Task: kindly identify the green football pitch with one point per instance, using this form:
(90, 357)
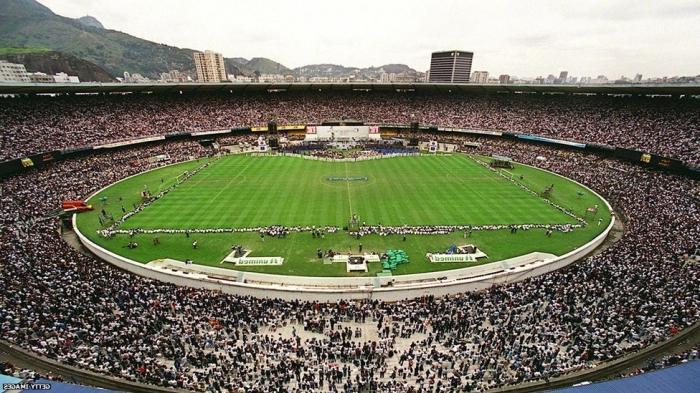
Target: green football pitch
(247, 191)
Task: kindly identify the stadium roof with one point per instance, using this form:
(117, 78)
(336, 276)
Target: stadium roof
(57, 88)
(683, 378)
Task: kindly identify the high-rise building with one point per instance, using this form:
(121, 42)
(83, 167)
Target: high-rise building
(504, 79)
(638, 78)
(210, 66)
(563, 76)
(11, 72)
(452, 66)
(479, 77)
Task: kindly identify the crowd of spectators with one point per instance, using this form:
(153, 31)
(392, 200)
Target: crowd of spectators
(272, 230)
(668, 360)
(665, 126)
(351, 150)
(363, 153)
(384, 230)
(68, 306)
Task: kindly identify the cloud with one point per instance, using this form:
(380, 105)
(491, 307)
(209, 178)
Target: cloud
(690, 10)
(627, 10)
(530, 38)
(534, 39)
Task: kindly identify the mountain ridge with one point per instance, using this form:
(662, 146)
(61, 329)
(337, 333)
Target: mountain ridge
(52, 62)
(336, 70)
(28, 23)
(90, 21)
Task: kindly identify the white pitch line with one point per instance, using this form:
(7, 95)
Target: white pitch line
(348, 183)
(225, 188)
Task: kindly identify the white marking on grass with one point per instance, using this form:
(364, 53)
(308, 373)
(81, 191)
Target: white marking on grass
(348, 183)
(225, 188)
(462, 179)
(527, 190)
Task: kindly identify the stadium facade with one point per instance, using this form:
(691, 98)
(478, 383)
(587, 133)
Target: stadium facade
(589, 321)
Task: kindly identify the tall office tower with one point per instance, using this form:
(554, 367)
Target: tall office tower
(504, 79)
(452, 66)
(210, 66)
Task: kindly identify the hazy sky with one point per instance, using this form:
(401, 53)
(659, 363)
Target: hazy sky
(523, 38)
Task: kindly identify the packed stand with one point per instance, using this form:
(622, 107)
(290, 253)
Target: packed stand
(665, 126)
(70, 307)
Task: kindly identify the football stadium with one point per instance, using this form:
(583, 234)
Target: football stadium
(319, 232)
(345, 232)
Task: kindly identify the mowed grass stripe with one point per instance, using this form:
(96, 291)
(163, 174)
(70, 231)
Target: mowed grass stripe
(485, 195)
(240, 191)
(266, 201)
(198, 194)
(523, 202)
(472, 190)
(209, 196)
(436, 194)
(455, 186)
(301, 173)
(406, 187)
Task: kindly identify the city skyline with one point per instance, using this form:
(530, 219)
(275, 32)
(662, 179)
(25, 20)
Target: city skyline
(611, 38)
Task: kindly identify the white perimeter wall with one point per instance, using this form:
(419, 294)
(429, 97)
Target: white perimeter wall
(307, 288)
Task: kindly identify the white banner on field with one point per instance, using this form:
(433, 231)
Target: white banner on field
(449, 258)
(342, 133)
(257, 261)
